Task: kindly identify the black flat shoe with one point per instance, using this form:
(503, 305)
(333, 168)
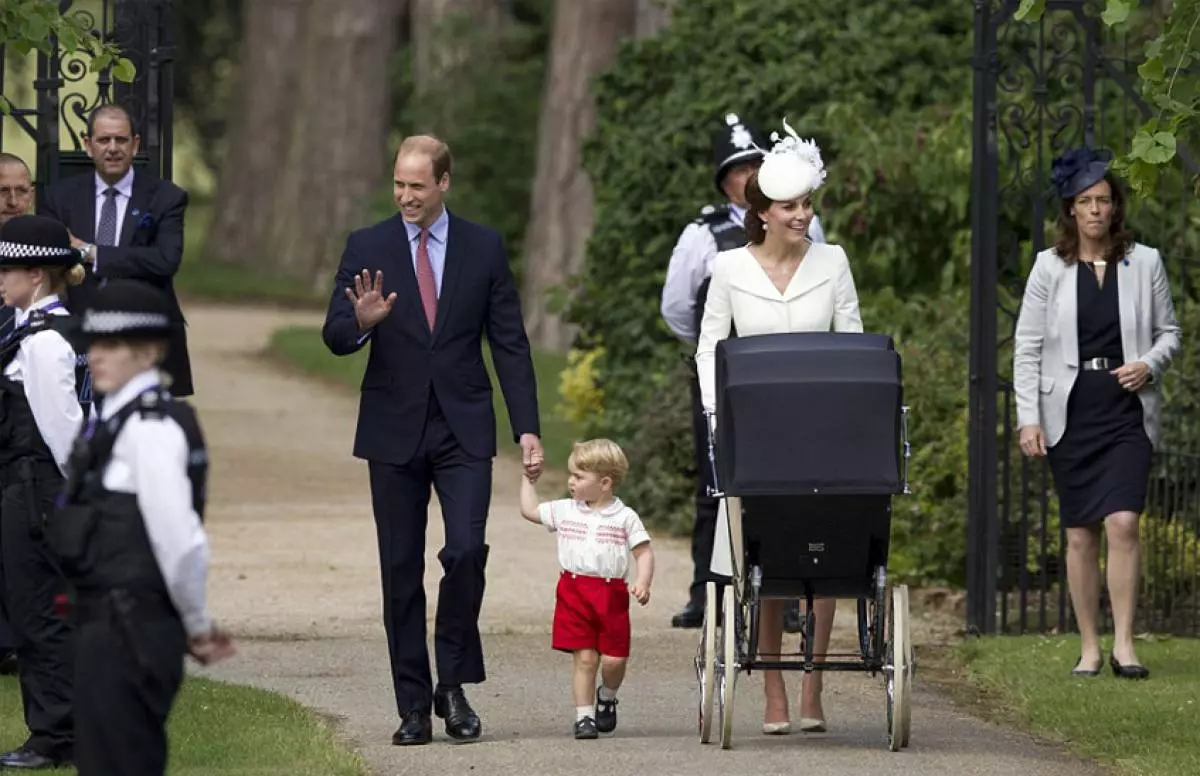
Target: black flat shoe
(29, 760)
(585, 729)
(462, 723)
(415, 729)
(1131, 671)
(690, 616)
(1077, 671)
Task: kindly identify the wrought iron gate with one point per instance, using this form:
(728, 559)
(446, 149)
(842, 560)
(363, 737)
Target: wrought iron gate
(1039, 89)
(53, 112)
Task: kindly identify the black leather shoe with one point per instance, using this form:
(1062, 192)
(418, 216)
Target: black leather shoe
(793, 621)
(29, 760)
(690, 616)
(1129, 671)
(415, 729)
(462, 723)
(8, 663)
(585, 729)
(1077, 671)
(606, 714)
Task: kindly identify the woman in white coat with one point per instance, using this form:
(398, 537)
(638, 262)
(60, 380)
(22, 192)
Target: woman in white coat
(780, 282)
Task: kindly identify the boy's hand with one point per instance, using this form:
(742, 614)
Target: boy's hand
(212, 647)
(642, 594)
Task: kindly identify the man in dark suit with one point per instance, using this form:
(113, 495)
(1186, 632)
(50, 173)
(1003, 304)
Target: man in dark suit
(424, 287)
(126, 224)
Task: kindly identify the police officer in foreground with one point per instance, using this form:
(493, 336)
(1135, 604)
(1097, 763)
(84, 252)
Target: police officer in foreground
(129, 534)
(720, 227)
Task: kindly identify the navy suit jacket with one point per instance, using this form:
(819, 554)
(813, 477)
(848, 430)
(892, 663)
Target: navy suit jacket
(150, 249)
(408, 364)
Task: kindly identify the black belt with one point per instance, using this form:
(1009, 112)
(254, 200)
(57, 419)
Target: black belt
(1100, 364)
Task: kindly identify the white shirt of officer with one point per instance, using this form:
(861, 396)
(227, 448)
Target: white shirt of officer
(692, 262)
(45, 365)
(150, 459)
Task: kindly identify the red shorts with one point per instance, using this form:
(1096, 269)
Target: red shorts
(591, 613)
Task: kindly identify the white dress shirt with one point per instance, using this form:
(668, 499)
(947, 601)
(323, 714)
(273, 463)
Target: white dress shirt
(150, 459)
(124, 189)
(692, 262)
(45, 365)
(593, 542)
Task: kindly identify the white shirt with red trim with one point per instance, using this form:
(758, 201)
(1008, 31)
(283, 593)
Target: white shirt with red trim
(591, 542)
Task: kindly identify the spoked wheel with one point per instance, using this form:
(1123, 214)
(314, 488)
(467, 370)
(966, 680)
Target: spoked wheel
(910, 667)
(728, 678)
(706, 662)
(897, 671)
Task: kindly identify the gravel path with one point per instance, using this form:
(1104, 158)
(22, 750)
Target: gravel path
(295, 576)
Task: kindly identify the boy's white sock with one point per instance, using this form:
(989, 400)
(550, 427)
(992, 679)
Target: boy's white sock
(607, 695)
(584, 711)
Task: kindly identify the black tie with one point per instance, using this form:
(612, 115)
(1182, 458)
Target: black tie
(107, 233)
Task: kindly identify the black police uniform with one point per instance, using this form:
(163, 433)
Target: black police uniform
(30, 480)
(132, 640)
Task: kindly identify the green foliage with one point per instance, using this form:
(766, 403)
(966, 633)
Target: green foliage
(894, 131)
(1169, 83)
(486, 108)
(31, 25)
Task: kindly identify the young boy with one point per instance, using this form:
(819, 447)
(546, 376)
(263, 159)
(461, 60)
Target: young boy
(596, 533)
(129, 534)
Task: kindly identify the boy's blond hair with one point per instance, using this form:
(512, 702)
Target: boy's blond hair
(602, 457)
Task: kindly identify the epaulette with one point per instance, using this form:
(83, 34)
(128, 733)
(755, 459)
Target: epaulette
(713, 214)
(154, 405)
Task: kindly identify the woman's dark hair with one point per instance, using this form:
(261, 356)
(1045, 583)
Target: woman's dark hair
(758, 203)
(1066, 244)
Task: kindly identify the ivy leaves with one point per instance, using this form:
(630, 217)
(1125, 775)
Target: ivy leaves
(1168, 85)
(32, 25)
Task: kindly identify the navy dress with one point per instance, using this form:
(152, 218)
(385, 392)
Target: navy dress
(1102, 463)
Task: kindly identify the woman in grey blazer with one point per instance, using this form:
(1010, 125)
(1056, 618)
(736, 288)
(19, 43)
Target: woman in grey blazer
(1096, 332)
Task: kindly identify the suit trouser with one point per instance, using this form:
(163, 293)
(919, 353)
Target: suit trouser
(705, 525)
(45, 640)
(400, 499)
(127, 675)
(8, 641)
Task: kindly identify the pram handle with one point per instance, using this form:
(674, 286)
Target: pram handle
(710, 417)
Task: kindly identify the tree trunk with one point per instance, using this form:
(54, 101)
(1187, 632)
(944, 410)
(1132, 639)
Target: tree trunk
(583, 44)
(445, 33)
(262, 119)
(336, 157)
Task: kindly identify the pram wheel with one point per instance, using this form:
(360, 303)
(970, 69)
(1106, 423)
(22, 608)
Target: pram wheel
(899, 672)
(706, 662)
(728, 679)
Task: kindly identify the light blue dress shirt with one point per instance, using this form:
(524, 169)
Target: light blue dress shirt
(436, 245)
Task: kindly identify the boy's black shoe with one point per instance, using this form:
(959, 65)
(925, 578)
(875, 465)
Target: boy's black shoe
(585, 728)
(606, 714)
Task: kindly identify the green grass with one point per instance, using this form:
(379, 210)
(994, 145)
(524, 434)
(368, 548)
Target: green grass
(301, 347)
(1149, 728)
(230, 730)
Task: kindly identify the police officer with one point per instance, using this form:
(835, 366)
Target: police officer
(130, 537)
(720, 227)
(40, 414)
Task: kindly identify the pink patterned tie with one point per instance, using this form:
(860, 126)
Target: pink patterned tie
(426, 283)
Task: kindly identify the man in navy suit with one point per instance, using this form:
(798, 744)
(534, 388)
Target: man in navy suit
(125, 223)
(424, 287)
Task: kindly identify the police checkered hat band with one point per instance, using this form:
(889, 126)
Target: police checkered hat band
(104, 322)
(11, 250)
